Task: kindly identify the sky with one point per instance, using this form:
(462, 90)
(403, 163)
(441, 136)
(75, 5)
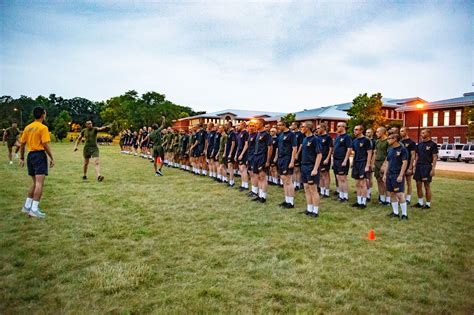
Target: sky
(281, 56)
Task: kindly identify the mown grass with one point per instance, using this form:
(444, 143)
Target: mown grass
(136, 243)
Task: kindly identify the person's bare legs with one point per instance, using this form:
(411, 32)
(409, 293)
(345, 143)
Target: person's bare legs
(85, 166)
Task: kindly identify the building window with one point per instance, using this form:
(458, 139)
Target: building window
(435, 119)
(446, 118)
(332, 126)
(434, 139)
(445, 140)
(457, 139)
(386, 113)
(458, 117)
(425, 119)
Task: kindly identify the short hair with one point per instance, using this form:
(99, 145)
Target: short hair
(229, 122)
(14, 121)
(297, 123)
(361, 128)
(323, 126)
(284, 122)
(199, 124)
(38, 112)
(261, 120)
(154, 126)
(397, 136)
(309, 124)
(427, 130)
(382, 129)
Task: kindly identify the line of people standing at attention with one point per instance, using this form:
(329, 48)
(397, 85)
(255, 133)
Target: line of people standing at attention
(297, 156)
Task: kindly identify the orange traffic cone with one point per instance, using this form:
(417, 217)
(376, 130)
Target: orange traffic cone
(371, 236)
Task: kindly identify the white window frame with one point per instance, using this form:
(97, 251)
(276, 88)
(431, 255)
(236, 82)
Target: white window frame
(457, 139)
(458, 121)
(446, 118)
(445, 140)
(425, 120)
(435, 119)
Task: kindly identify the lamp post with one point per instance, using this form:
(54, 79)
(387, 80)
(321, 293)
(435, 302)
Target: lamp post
(419, 107)
(21, 117)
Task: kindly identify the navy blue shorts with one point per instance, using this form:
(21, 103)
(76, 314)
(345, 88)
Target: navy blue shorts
(209, 154)
(259, 162)
(306, 177)
(393, 185)
(325, 167)
(282, 165)
(339, 169)
(422, 173)
(250, 163)
(37, 163)
(242, 161)
(298, 161)
(358, 170)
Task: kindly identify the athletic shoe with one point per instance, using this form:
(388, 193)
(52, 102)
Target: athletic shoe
(313, 214)
(324, 196)
(262, 200)
(418, 205)
(343, 200)
(368, 199)
(242, 189)
(336, 193)
(37, 214)
(355, 205)
(256, 199)
(289, 206)
(408, 202)
(307, 212)
(283, 204)
(251, 194)
(393, 215)
(426, 207)
(231, 185)
(25, 210)
(362, 206)
(404, 217)
(159, 173)
(84, 177)
(100, 178)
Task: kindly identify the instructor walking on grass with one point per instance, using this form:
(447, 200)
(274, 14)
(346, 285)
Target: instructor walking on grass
(91, 150)
(36, 137)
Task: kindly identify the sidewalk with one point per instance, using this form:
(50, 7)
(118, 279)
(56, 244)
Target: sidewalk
(455, 166)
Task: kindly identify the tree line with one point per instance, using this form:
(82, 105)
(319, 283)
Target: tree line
(127, 111)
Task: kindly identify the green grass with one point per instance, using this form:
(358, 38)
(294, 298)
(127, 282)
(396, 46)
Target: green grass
(136, 243)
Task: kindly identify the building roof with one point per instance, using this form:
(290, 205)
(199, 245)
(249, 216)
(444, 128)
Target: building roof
(466, 100)
(237, 113)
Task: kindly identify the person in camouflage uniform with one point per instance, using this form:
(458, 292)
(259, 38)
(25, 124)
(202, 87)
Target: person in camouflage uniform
(157, 150)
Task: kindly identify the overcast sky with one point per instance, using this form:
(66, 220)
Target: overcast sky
(280, 56)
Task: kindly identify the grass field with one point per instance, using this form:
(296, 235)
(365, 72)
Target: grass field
(136, 243)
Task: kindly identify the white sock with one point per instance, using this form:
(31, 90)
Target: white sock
(204, 172)
(369, 191)
(428, 203)
(219, 176)
(246, 185)
(291, 200)
(225, 179)
(404, 208)
(382, 198)
(309, 208)
(420, 201)
(345, 195)
(281, 181)
(231, 182)
(395, 207)
(34, 205)
(387, 198)
(28, 202)
(286, 199)
(264, 195)
(255, 190)
(364, 200)
(315, 209)
(322, 190)
(327, 192)
(341, 195)
(408, 198)
(359, 200)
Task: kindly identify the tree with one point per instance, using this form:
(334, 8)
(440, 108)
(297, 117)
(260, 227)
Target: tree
(289, 118)
(469, 121)
(366, 111)
(61, 125)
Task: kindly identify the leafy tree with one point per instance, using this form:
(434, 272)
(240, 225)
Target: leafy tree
(469, 121)
(366, 111)
(61, 125)
(289, 118)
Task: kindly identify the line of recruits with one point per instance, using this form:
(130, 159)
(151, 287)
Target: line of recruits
(300, 156)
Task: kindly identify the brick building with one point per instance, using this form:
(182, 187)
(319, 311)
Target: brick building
(445, 118)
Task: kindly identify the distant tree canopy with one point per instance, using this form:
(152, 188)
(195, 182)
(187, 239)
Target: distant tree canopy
(366, 111)
(127, 111)
(289, 118)
(469, 121)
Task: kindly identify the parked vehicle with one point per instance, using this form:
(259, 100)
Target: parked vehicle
(450, 151)
(467, 154)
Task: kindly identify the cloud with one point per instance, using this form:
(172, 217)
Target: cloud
(268, 56)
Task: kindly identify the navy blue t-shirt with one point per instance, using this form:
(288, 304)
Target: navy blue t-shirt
(231, 137)
(410, 145)
(185, 142)
(326, 144)
(217, 141)
(311, 147)
(201, 138)
(210, 141)
(361, 146)
(252, 142)
(425, 151)
(242, 137)
(286, 143)
(395, 158)
(341, 145)
(274, 146)
(263, 141)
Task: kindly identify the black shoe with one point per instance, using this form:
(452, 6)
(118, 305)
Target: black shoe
(159, 172)
(231, 185)
(355, 205)
(343, 200)
(100, 178)
(368, 199)
(307, 212)
(256, 199)
(262, 200)
(289, 206)
(283, 204)
(84, 177)
(408, 202)
(242, 189)
(426, 207)
(404, 217)
(251, 194)
(393, 215)
(336, 193)
(314, 215)
(418, 205)
(386, 203)
(324, 196)
(362, 206)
